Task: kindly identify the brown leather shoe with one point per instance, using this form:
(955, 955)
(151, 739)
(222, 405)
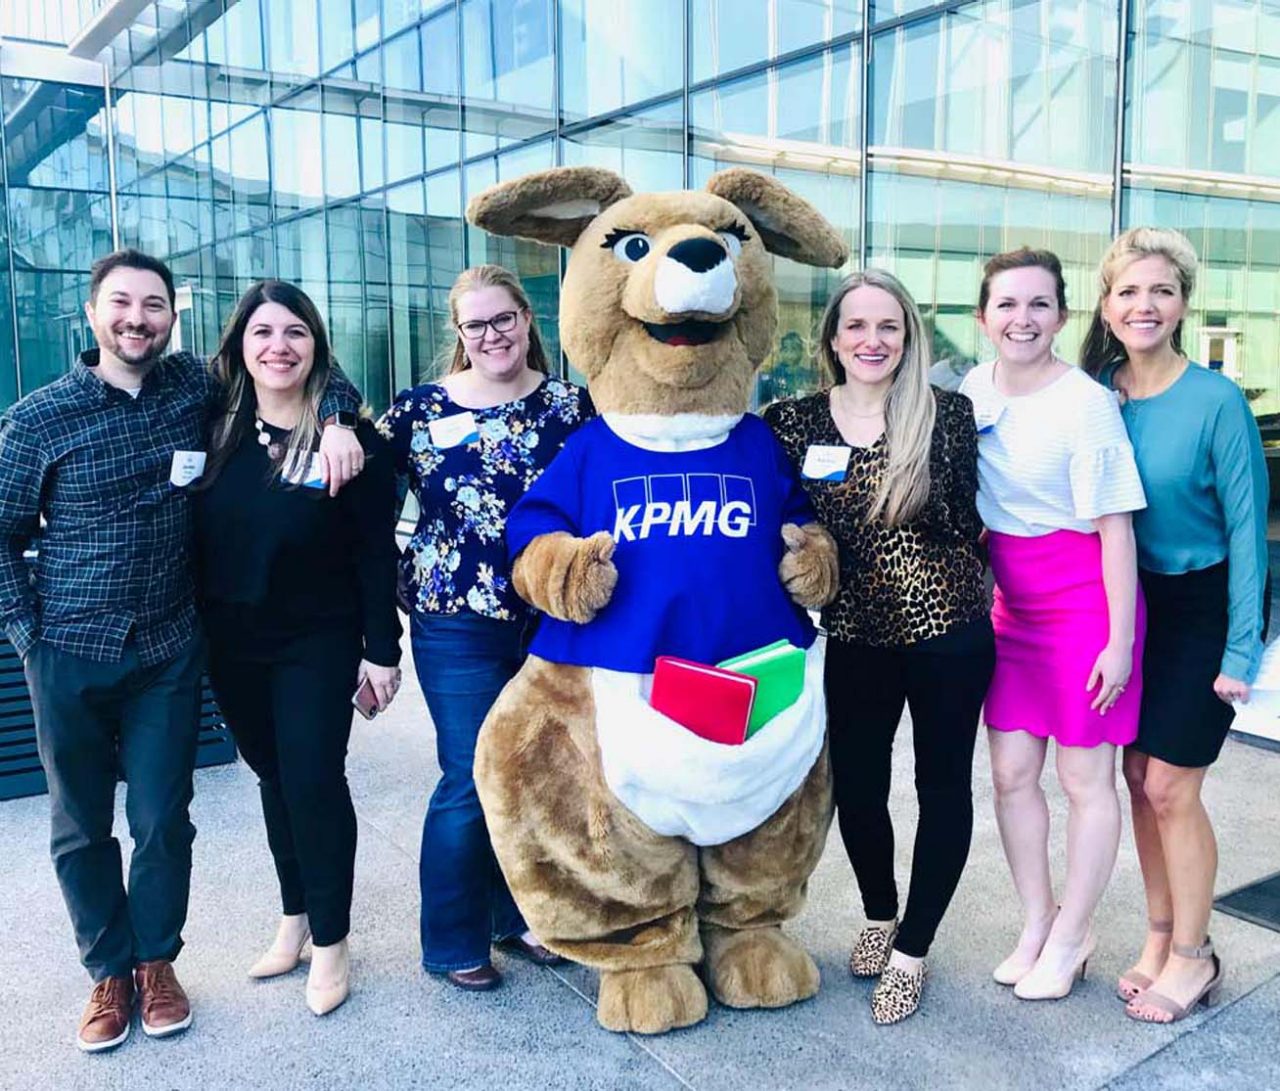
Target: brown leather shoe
(165, 1008)
(105, 1023)
(481, 979)
(531, 952)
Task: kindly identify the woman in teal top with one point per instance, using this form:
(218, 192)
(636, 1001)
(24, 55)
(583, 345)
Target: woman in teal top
(1202, 559)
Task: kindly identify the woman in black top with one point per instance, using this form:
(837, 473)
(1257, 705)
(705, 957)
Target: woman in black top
(298, 596)
(891, 468)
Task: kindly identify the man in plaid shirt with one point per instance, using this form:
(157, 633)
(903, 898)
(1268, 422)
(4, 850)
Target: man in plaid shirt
(106, 625)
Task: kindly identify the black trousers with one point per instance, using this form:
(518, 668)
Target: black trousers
(93, 719)
(288, 704)
(943, 681)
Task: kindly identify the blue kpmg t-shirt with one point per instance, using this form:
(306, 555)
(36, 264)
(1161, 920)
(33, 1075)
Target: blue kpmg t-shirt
(699, 539)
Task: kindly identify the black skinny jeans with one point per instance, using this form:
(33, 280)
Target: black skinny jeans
(943, 680)
(288, 704)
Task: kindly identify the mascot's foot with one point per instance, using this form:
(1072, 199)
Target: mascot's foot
(651, 1001)
(758, 968)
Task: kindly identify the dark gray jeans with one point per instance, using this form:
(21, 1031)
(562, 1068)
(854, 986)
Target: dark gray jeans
(93, 719)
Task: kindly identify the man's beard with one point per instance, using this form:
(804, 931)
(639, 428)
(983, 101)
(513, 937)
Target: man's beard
(154, 350)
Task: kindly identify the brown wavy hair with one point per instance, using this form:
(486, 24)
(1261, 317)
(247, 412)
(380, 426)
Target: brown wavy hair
(240, 402)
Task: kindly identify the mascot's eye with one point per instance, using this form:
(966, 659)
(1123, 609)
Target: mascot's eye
(632, 247)
(732, 241)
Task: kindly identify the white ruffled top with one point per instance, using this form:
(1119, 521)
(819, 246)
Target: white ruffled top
(1055, 459)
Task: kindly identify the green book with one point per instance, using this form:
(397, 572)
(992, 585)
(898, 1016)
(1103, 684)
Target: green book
(779, 670)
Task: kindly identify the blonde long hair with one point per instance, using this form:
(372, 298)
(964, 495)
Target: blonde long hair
(492, 276)
(1100, 348)
(909, 409)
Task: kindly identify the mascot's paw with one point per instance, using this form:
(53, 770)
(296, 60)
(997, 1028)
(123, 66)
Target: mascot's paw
(651, 1001)
(758, 968)
(810, 568)
(571, 579)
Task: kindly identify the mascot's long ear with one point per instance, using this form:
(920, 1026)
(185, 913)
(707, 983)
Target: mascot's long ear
(551, 206)
(789, 225)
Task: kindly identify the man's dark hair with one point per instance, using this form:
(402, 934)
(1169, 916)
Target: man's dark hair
(129, 258)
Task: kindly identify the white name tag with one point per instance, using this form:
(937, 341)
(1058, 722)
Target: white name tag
(305, 473)
(186, 467)
(825, 463)
(454, 431)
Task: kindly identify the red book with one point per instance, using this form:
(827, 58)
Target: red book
(712, 703)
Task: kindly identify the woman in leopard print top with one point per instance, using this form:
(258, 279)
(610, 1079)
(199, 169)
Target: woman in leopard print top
(890, 465)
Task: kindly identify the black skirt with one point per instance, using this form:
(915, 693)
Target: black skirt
(1183, 722)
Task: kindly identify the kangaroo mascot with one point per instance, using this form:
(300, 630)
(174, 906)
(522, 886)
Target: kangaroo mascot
(672, 524)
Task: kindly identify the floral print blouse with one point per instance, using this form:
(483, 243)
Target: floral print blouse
(457, 557)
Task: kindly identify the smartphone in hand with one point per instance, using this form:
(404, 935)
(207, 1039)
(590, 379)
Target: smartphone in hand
(365, 700)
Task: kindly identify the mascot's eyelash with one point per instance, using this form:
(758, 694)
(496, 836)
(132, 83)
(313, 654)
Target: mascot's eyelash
(617, 235)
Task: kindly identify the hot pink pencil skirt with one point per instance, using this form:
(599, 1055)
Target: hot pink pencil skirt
(1050, 619)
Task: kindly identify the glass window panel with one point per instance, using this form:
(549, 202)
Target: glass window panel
(295, 156)
(337, 33)
(616, 52)
(293, 46)
(726, 35)
(884, 10)
(508, 71)
(440, 53)
(646, 148)
(397, 14)
(412, 342)
(341, 158)
(237, 37)
(368, 25)
(252, 174)
(1006, 80)
(1214, 66)
(402, 62)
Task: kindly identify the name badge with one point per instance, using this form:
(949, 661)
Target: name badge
(305, 473)
(454, 431)
(186, 467)
(825, 463)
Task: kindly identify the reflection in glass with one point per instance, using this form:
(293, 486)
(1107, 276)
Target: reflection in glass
(616, 52)
(1214, 66)
(508, 71)
(726, 35)
(1026, 82)
(646, 148)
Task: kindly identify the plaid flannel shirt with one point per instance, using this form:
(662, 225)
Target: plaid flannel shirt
(115, 552)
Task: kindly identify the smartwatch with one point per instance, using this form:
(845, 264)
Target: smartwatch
(343, 418)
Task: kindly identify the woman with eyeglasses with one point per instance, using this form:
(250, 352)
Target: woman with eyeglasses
(470, 446)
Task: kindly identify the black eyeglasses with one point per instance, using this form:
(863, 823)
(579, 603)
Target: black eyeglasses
(502, 322)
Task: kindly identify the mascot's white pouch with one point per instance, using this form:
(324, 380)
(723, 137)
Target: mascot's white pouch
(682, 785)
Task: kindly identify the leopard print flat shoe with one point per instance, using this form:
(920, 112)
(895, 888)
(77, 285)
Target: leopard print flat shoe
(871, 950)
(897, 994)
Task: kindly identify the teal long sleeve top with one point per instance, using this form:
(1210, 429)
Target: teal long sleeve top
(1200, 458)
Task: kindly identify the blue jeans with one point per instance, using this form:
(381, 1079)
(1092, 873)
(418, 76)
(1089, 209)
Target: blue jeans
(463, 661)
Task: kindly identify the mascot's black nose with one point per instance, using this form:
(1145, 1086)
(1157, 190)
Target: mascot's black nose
(698, 254)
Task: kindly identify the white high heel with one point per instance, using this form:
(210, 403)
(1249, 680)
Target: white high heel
(280, 958)
(1043, 983)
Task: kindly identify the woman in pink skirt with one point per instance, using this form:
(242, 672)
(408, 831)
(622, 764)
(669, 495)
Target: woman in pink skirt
(1056, 484)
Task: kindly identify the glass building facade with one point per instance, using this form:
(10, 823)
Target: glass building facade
(336, 142)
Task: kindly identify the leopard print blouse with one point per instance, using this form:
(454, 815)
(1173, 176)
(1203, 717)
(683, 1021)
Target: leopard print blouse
(898, 585)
